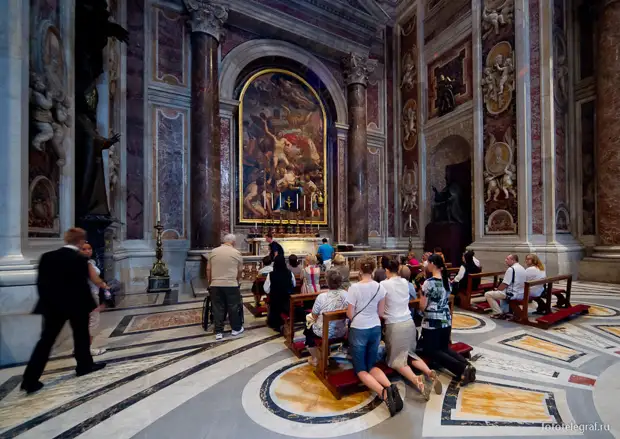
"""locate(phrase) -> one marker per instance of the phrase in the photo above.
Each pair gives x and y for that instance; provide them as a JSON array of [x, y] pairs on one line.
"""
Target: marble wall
[[373, 103], [409, 124], [376, 188], [171, 165], [341, 229], [456, 64], [441, 14], [390, 72], [136, 55], [227, 172], [170, 48], [234, 37], [561, 84], [587, 122], [538, 221], [499, 124], [47, 143]]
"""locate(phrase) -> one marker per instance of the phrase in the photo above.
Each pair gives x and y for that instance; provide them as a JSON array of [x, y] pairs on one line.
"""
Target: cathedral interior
[[386, 127]]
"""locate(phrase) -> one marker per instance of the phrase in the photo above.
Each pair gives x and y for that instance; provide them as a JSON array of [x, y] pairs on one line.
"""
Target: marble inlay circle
[[598, 311], [288, 395], [466, 322]]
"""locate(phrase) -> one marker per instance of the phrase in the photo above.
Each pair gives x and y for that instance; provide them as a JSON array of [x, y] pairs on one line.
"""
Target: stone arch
[[242, 55]]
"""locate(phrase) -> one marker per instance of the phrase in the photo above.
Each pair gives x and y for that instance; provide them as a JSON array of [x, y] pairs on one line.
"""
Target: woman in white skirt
[[93, 272], [401, 335]]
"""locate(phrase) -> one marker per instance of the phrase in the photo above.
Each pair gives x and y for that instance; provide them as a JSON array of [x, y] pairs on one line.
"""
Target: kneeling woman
[[366, 303], [401, 335], [437, 323]]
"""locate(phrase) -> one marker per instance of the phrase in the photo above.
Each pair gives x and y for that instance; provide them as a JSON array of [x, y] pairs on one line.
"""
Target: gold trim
[[240, 146]]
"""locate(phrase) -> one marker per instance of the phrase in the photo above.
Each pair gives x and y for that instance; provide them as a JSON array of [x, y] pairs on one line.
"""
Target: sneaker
[[239, 332], [398, 400], [32, 388], [94, 368], [469, 375], [98, 351], [388, 398], [437, 386], [219, 336]]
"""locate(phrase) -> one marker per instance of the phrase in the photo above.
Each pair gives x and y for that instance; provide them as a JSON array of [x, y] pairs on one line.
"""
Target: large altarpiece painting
[[282, 150]]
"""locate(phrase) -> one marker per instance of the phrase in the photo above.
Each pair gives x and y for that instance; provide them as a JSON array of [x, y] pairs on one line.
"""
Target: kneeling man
[[511, 288]]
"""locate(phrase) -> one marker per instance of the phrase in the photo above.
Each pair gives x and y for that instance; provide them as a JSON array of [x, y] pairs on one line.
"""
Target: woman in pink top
[[311, 276]]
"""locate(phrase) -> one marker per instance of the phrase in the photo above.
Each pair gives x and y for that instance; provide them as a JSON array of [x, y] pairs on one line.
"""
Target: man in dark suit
[[64, 295], [275, 248]]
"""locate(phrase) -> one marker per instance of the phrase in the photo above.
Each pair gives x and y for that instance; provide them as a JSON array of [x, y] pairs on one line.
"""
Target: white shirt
[[461, 272], [534, 273], [267, 285], [94, 288], [360, 295], [72, 247], [396, 300], [517, 287], [266, 269]]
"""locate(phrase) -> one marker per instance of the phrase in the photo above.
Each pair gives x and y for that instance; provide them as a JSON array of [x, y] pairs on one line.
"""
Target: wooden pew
[[471, 292], [346, 381], [295, 301], [259, 309], [519, 308]]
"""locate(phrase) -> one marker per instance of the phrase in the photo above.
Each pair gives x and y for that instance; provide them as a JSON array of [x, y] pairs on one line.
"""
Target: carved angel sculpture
[[409, 124], [504, 181], [493, 18], [42, 101], [409, 71], [409, 188]]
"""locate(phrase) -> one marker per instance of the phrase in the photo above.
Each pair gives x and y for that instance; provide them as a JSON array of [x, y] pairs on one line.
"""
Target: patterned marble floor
[[167, 378]]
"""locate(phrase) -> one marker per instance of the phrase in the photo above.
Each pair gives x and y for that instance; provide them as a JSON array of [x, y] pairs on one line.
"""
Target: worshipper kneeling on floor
[[333, 300], [267, 266], [401, 335], [535, 271], [470, 265], [339, 264], [511, 288], [366, 300], [311, 275], [224, 277], [279, 285], [437, 323]]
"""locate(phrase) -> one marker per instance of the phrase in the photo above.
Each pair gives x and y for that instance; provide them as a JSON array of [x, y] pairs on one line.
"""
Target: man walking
[[511, 288], [64, 294], [326, 252], [275, 248], [224, 274]]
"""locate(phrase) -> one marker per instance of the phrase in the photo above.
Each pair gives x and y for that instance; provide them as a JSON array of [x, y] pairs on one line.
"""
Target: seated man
[[511, 288], [257, 289], [267, 266]]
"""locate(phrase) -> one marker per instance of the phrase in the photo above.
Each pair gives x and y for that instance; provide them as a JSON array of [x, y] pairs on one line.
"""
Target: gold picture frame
[[241, 190]]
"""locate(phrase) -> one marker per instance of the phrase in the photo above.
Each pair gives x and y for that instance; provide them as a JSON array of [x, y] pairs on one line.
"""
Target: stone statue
[[445, 95], [409, 188], [447, 204], [500, 170], [409, 70], [498, 81], [493, 18], [93, 29], [409, 123]]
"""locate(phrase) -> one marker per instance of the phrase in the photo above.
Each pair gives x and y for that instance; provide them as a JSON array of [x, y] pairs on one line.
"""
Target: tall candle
[[158, 212], [272, 200], [297, 204], [304, 208], [265, 200], [409, 220]]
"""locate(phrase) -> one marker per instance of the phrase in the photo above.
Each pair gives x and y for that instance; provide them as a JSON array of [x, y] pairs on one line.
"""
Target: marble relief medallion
[[500, 222], [496, 15], [498, 80], [287, 398]]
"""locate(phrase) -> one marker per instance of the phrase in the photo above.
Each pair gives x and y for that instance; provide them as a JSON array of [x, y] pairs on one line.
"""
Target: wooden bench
[[471, 292], [346, 381], [295, 301], [261, 299], [519, 308]]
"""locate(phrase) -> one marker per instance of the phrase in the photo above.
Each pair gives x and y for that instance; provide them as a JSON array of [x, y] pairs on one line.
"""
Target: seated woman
[[311, 275], [535, 271], [293, 265], [339, 264], [401, 335], [437, 323], [366, 300], [470, 265], [279, 285], [334, 300]]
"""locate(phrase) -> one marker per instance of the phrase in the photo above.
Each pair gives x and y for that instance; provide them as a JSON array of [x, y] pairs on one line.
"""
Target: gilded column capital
[[207, 16], [357, 69]]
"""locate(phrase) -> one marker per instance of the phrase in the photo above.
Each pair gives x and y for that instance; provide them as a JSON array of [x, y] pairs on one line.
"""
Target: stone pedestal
[[450, 237], [356, 71], [207, 20]]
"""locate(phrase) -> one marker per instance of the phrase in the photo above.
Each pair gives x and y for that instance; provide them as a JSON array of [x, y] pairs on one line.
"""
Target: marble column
[[608, 136], [206, 20], [356, 71]]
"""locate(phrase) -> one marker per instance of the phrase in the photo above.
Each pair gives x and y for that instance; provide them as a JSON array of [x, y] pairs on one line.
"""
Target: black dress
[[279, 297]]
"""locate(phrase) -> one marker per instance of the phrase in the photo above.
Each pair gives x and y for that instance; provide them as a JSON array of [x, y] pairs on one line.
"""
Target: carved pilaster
[[207, 16], [357, 69]]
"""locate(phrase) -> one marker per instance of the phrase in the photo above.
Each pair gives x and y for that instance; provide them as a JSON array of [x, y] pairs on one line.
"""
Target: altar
[[297, 245]]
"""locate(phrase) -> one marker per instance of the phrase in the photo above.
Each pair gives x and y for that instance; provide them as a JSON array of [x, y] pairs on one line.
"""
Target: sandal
[[398, 400], [469, 375], [428, 386], [388, 398], [437, 386], [499, 316]]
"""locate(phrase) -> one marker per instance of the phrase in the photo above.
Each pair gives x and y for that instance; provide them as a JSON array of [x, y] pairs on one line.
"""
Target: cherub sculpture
[[409, 70], [493, 18], [409, 124]]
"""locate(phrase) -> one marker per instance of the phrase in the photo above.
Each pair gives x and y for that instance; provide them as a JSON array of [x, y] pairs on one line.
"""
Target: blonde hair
[[536, 262], [367, 265], [311, 260], [339, 259], [75, 236]]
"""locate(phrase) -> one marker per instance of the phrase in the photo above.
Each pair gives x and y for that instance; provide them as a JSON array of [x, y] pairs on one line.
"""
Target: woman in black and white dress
[[95, 315]]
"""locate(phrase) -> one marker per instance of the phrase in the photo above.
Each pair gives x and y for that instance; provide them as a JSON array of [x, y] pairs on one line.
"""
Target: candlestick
[[304, 208], [297, 203], [272, 201], [280, 200], [409, 220], [158, 213]]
